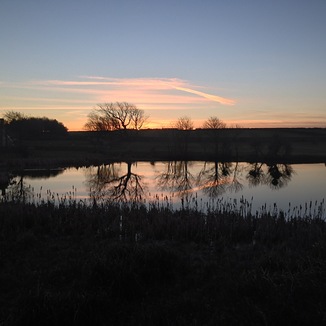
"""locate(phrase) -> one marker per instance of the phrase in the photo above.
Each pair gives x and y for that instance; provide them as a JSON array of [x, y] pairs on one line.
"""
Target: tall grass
[[87, 262], [154, 219]]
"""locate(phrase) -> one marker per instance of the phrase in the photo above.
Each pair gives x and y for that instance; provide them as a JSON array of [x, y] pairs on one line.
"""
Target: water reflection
[[276, 176], [122, 181], [176, 177], [118, 181], [111, 181], [15, 185], [216, 178]]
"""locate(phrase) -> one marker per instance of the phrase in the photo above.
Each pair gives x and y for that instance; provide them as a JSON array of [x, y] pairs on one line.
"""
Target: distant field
[[290, 145]]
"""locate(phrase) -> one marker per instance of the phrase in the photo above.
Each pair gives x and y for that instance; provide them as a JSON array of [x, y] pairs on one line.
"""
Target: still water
[[297, 187]]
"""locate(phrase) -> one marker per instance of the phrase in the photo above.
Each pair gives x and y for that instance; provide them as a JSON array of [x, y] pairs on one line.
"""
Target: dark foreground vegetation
[[118, 264]]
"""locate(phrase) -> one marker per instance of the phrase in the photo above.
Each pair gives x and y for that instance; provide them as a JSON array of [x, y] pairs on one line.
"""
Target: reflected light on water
[[177, 182]]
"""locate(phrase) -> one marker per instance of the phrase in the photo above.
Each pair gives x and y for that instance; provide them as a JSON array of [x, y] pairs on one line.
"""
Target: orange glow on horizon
[[164, 100], [164, 123]]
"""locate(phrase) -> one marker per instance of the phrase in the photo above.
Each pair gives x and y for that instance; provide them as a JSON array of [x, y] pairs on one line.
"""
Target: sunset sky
[[255, 63]]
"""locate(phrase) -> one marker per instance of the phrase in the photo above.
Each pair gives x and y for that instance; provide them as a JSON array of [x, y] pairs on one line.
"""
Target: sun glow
[[70, 101], [164, 100]]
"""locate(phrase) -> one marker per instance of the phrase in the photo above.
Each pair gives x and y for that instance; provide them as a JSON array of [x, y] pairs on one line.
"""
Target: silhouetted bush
[[33, 128]]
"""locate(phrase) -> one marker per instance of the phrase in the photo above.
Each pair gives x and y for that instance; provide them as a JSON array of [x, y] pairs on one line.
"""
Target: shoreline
[[291, 146]]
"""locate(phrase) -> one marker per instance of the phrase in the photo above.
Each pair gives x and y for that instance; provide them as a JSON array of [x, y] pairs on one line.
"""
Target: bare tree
[[184, 123], [115, 116], [97, 122], [235, 126], [10, 116], [214, 123]]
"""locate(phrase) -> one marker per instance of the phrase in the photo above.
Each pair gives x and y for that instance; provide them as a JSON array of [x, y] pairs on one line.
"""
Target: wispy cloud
[[163, 98], [144, 89], [214, 98]]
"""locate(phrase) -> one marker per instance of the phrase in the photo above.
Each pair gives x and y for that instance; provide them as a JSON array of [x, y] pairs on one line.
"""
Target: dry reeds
[[77, 262]]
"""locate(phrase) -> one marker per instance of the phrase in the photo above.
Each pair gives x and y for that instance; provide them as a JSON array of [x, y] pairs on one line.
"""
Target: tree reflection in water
[[109, 182], [256, 175], [214, 178], [276, 176], [118, 181], [217, 178], [235, 184], [13, 185], [18, 189], [176, 178], [279, 175]]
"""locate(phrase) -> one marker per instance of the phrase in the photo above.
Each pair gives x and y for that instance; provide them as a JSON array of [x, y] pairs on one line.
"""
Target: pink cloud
[[134, 89]]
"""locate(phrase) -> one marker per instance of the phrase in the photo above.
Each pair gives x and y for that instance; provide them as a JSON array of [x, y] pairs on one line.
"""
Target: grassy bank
[[109, 264], [85, 148]]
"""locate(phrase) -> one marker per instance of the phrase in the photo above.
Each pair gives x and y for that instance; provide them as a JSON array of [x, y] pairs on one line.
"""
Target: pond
[[254, 187]]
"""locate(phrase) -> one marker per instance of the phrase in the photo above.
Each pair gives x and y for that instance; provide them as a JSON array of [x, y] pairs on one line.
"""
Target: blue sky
[[252, 63]]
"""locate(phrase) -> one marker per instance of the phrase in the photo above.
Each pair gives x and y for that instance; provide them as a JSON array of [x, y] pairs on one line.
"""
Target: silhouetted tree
[[115, 116], [22, 126], [96, 122], [11, 116], [184, 123], [214, 123]]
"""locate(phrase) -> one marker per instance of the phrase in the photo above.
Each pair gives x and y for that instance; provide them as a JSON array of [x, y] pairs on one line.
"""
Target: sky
[[250, 63]]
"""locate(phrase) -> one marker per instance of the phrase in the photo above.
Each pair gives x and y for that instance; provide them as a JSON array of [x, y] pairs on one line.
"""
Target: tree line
[[123, 115], [104, 117]]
